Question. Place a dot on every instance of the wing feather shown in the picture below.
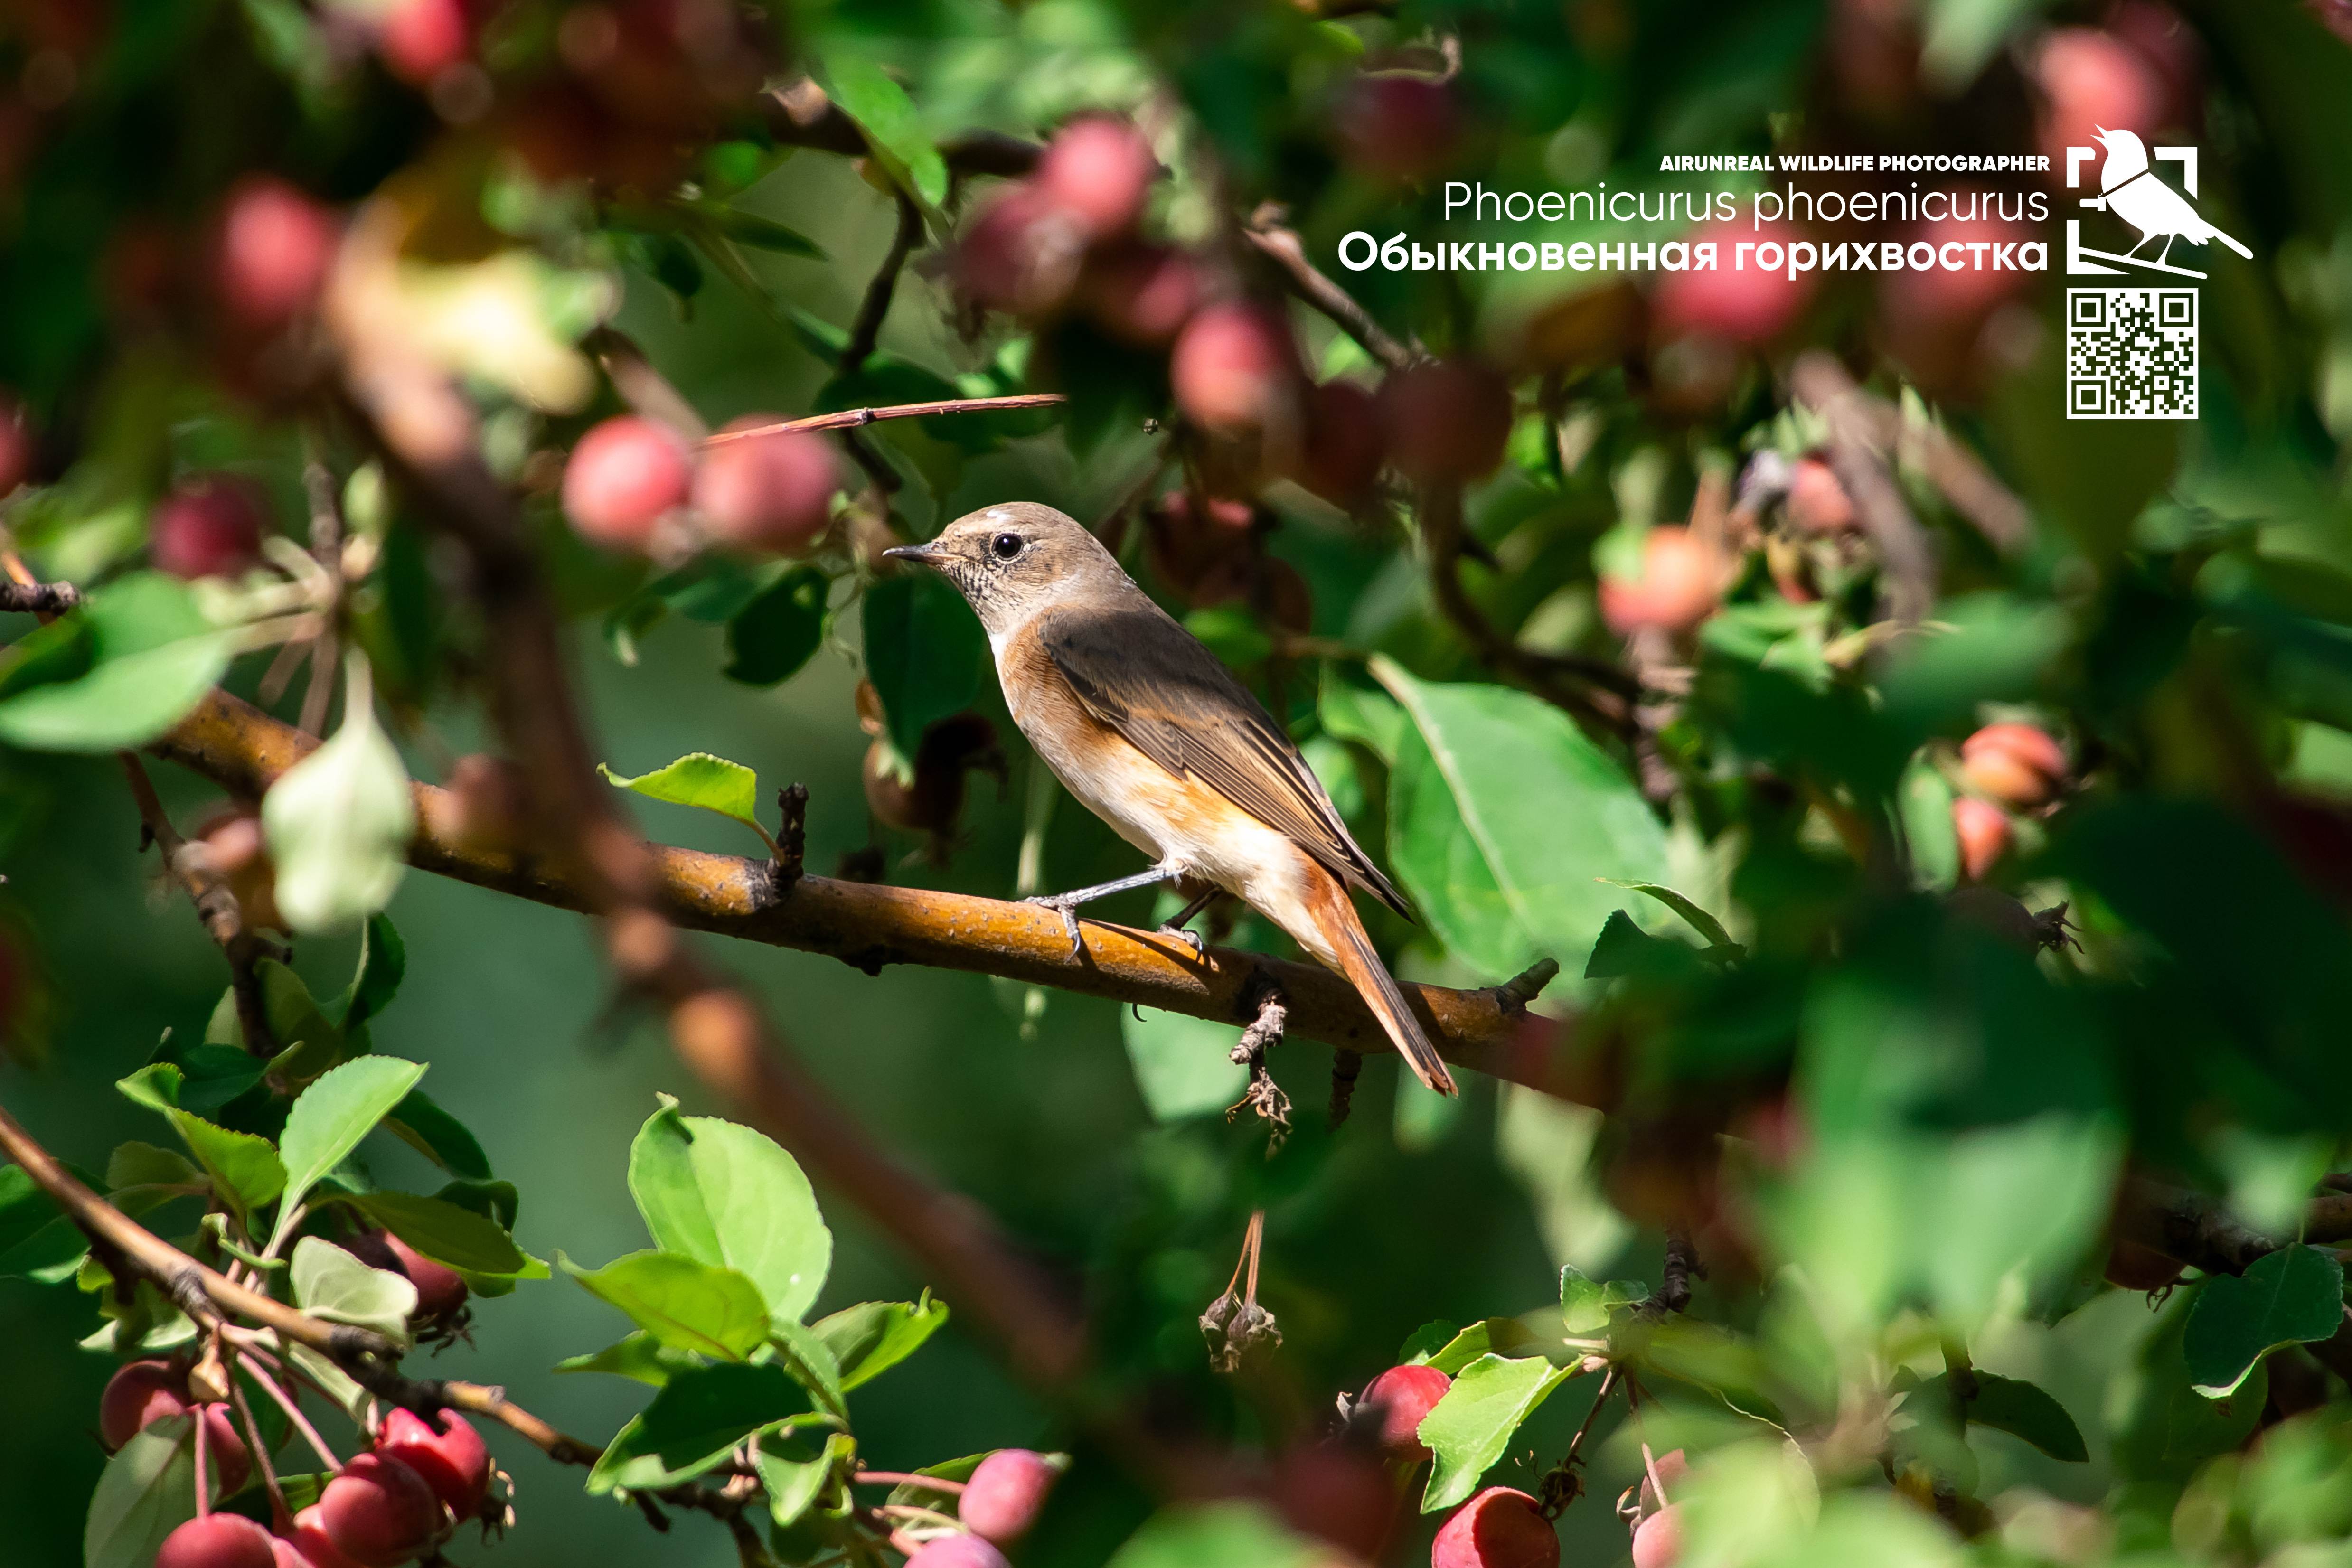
(1172, 699)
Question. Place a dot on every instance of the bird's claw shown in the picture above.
(1187, 937)
(1069, 915)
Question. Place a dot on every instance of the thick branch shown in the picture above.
(867, 927)
(42, 599)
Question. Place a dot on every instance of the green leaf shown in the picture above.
(1587, 1305)
(339, 822)
(1468, 1429)
(494, 1200)
(773, 636)
(1502, 817)
(2013, 1405)
(147, 1490)
(726, 1195)
(1427, 1340)
(693, 1423)
(449, 1234)
(760, 234)
(1352, 710)
(331, 1283)
(2292, 1296)
(152, 657)
(700, 780)
(870, 1338)
(332, 1115)
(213, 1075)
(893, 129)
(135, 1164)
(1706, 924)
(684, 1305)
(440, 1137)
(811, 1362)
(639, 1356)
(1216, 1536)
(925, 653)
(308, 1044)
(245, 1170)
(384, 960)
(1623, 948)
(794, 1485)
(1500, 1336)
(37, 1241)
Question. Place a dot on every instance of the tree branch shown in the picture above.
(1281, 245)
(868, 925)
(859, 418)
(799, 114)
(217, 906)
(42, 599)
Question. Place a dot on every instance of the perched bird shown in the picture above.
(1152, 733)
(2130, 189)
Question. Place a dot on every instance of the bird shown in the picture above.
(1153, 734)
(2133, 193)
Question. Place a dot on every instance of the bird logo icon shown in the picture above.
(2130, 188)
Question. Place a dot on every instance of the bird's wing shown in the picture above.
(1172, 699)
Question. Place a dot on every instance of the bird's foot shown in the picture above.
(1070, 913)
(1189, 938)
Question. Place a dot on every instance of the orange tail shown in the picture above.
(1364, 969)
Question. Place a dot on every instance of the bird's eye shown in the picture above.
(1006, 546)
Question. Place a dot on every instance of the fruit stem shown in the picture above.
(281, 1515)
(294, 1413)
(203, 1458)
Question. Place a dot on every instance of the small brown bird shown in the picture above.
(1152, 733)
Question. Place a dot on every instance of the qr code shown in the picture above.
(2131, 353)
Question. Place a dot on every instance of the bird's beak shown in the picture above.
(921, 555)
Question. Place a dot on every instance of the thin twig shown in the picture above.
(270, 1386)
(641, 387)
(42, 599)
(215, 905)
(859, 418)
(1903, 550)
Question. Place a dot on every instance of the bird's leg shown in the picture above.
(1067, 904)
(2165, 253)
(1175, 925)
(2143, 240)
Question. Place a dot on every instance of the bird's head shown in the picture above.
(1013, 559)
(2124, 144)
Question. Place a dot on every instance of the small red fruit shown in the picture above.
(137, 1397)
(2016, 764)
(421, 38)
(1742, 306)
(625, 477)
(1817, 503)
(440, 1290)
(1235, 370)
(209, 526)
(1140, 294)
(1658, 1539)
(766, 492)
(231, 1462)
(2091, 81)
(217, 1541)
(1400, 128)
(19, 449)
(1403, 1395)
(1669, 1470)
(1006, 1493)
(308, 1546)
(1446, 419)
(957, 1551)
(275, 246)
(1679, 586)
(1984, 833)
(378, 1512)
(1020, 253)
(1098, 169)
(1340, 1492)
(1342, 456)
(449, 1453)
(1499, 1528)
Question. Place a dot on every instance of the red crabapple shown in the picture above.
(447, 1452)
(1679, 586)
(766, 492)
(1446, 419)
(275, 246)
(139, 1395)
(209, 526)
(1499, 1528)
(1741, 306)
(217, 1541)
(1817, 502)
(2016, 764)
(1403, 1395)
(1341, 460)
(1658, 1539)
(1984, 833)
(624, 475)
(1098, 169)
(1140, 294)
(1235, 369)
(1006, 1493)
(378, 1512)
(419, 39)
(1400, 128)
